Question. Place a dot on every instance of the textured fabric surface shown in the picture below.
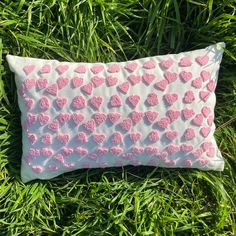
(156, 111)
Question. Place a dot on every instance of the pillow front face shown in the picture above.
(156, 111)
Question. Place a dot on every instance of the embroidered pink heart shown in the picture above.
(97, 69)
(197, 153)
(148, 78)
(63, 138)
(90, 125)
(115, 101)
(29, 103)
(102, 151)
(151, 116)
(117, 138)
(77, 118)
(170, 162)
(63, 117)
(62, 82)
(32, 138)
(186, 147)
(163, 155)
(134, 100)
(46, 139)
(206, 111)
(187, 163)
(185, 62)
(82, 138)
(34, 152)
(80, 69)
(44, 103)
(114, 68)
(67, 151)
(202, 162)
(198, 119)
(171, 135)
(69, 165)
(41, 83)
(149, 64)
(37, 169)
(171, 149)
(96, 101)
(98, 81)
(170, 76)
(128, 156)
(81, 151)
(28, 69)
(204, 131)
(52, 89)
(47, 152)
(153, 136)
(161, 84)
(111, 81)
(211, 152)
(126, 124)
(136, 116)
(31, 118)
(137, 150)
(45, 69)
(210, 120)
(99, 138)
(124, 87)
(62, 69)
(29, 83)
(204, 95)
(61, 102)
(114, 117)
(206, 145)
(152, 99)
(166, 64)
(87, 88)
(93, 156)
(171, 98)
(188, 113)
(202, 60)
(99, 117)
(189, 134)
(163, 122)
(205, 75)
(43, 118)
(77, 82)
(197, 83)
(189, 97)
(186, 76)
(53, 168)
(79, 102)
(152, 150)
(211, 86)
(134, 79)
(173, 115)
(59, 157)
(135, 136)
(116, 150)
(131, 67)
(54, 125)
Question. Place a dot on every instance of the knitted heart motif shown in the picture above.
(62, 69)
(61, 102)
(111, 81)
(99, 138)
(131, 67)
(67, 151)
(124, 87)
(202, 60)
(62, 82)
(90, 125)
(206, 111)
(82, 138)
(41, 83)
(46, 139)
(134, 100)
(63, 117)
(185, 62)
(63, 138)
(211, 152)
(186, 147)
(45, 69)
(78, 102)
(128, 156)
(31, 119)
(189, 134)
(96, 101)
(102, 151)
(161, 84)
(206, 145)
(137, 150)
(166, 64)
(98, 81)
(52, 89)
(171, 149)
(97, 69)
(114, 117)
(54, 125)
(205, 75)
(69, 166)
(210, 120)
(44, 103)
(148, 78)
(151, 116)
(117, 138)
(87, 88)
(163, 122)
(114, 68)
(204, 131)
(153, 136)
(37, 169)
(28, 69)
(59, 157)
(134, 79)
(189, 97)
(197, 153)
(116, 150)
(170, 162)
(171, 135)
(29, 103)
(136, 116)
(99, 117)
(163, 155)
(170, 76)
(126, 124)
(34, 152)
(171, 98)
(115, 101)
(188, 113)
(198, 119)
(149, 64)
(77, 118)
(204, 95)
(152, 150)
(197, 83)
(152, 99)
(53, 168)
(135, 136)
(187, 163)
(29, 83)
(173, 115)
(32, 138)
(80, 69)
(186, 76)
(77, 82)
(211, 86)
(202, 162)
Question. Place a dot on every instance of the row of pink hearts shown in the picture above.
(115, 68)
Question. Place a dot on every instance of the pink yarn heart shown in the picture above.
(28, 69)
(170, 76)
(90, 125)
(77, 82)
(52, 89)
(54, 125)
(93, 156)
(151, 116)
(29, 84)
(131, 67)
(53, 168)
(210, 120)
(187, 163)
(152, 99)
(37, 169)
(69, 166)
(161, 84)
(166, 64)
(47, 152)
(186, 76)
(35, 152)
(61, 102)
(152, 150)
(206, 111)
(186, 147)
(87, 88)
(203, 162)
(128, 156)
(204, 95)
(111, 81)
(59, 157)
(41, 83)
(43, 118)
(81, 151)
(62, 69)
(185, 62)
(136, 116)
(63, 138)
(98, 81)
(114, 68)
(198, 119)
(29, 103)
(32, 138)
(77, 118)
(171, 135)
(134, 100)
(102, 151)
(99, 117)
(211, 86)
(80, 69)
(99, 138)
(135, 136)
(197, 83)
(96, 101)
(114, 117)
(78, 102)
(45, 69)
(64, 117)
(171, 98)
(205, 75)
(171, 149)
(124, 87)
(204, 131)
(202, 60)
(62, 82)
(197, 153)
(116, 150)
(153, 136)
(211, 152)
(170, 162)
(173, 115)
(44, 103)
(117, 138)
(134, 79)
(189, 97)
(189, 134)
(148, 78)
(206, 145)
(82, 138)
(151, 64)
(46, 139)
(188, 113)
(31, 119)
(163, 155)
(97, 69)
(115, 101)
(126, 124)
(67, 151)
(163, 122)
(137, 150)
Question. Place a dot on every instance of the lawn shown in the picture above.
(117, 201)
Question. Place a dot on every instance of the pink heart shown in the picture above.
(31, 118)
(163, 122)
(162, 84)
(185, 62)
(171, 98)
(28, 69)
(166, 64)
(52, 89)
(170, 162)
(126, 124)
(202, 60)
(206, 111)
(134, 79)
(79, 102)
(206, 145)
(47, 152)
(62, 69)
(186, 76)
(124, 87)
(149, 64)
(62, 82)
(189, 134)
(81, 151)
(102, 151)
(87, 88)
(173, 115)
(211, 152)
(77, 118)
(44, 103)
(136, 116)
(171, 149)
(152, 150)
(197, 153)
(59, 157)
(82, 138)
(205, 75)
(69, 166)
(188, 113)
(197, 83)
(32, 138)
(170, 76)
(111, 81)
(29, 103)
(151, 116)
(210, 120)
(97, 69)
(163, 155)
(189, 97)
(134, 100)
(61, 102)
(152, 99)
(114, 68)
(37, 169)
(148, 78)
(128, 156)
(63, 138)
(45, 69)
(99, 138)
(116, 150)
(77, 82)
(186, 147)
(98, 81)
(96, 101)
(34, 152)
(204, 131)
(135, 136)
(67, 151)
(202, 162)
(43, 119)
(29, 83)
(54, 126)
(99, 117)
(187, 163)
(204, 95)
(115, 101)
(137, 150)
(171, 135)
(41, 83)
(90, 125)
(131, 67)
(153, 136)
(80, 69)
(117, 138)
(198, 119)
(63, 117)
(211, 86)
(114, 117)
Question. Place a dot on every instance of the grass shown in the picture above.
(117, 201)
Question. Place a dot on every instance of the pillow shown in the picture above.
(153, 111)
